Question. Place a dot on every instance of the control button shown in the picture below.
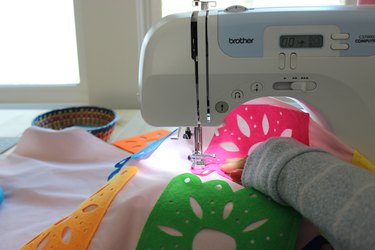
(340, 36)
(237, 94)
(303, 85)
(221, 107)
(236, 8)
(256, 87)
(339, 46)
(293, 61)
(282, 59)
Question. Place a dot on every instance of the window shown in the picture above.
(39, 54)
(38, 43)
(107, 48)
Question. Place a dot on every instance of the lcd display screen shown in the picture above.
(301, 41)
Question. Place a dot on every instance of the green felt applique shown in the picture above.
(187, 206)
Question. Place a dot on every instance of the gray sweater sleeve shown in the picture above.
(336, 196)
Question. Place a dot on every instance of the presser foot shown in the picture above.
(199, 160)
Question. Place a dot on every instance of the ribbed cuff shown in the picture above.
(265, 163)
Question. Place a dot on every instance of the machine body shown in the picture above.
(196, 67)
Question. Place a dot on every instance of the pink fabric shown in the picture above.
(260, 119)
(248, 125)
(320, 134)
(359, 2)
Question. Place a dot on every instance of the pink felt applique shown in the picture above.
(248, 125)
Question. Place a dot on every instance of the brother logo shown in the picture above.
(241, 40)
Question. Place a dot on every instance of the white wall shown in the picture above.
(111, 52)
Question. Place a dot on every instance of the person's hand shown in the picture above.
(234, 167)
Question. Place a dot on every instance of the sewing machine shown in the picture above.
(196, 67)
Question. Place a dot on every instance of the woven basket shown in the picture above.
(98, 121)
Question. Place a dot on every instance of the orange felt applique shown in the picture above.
(76, 230)
(136, 143)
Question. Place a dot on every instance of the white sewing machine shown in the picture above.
(196, 67)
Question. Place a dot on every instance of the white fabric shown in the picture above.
(124, 221)
(46, 178)
(51, 173)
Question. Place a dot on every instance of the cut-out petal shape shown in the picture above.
(254, 225)
(89, 208)
(213, 239)
(196, 208)
(206, 172)
(227, 209)
(286, 133)
(216, 132)
(66, 235)
(43, 243)
(229, 146)
(171, 231)
(265, 124)
(243, 126)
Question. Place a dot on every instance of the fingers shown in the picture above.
(236, 175)
(234, 167)
(234, 159)
(232, 164)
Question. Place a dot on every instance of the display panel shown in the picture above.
(301, 41)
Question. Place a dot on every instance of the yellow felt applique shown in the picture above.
(76, 230)
(361, 161)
